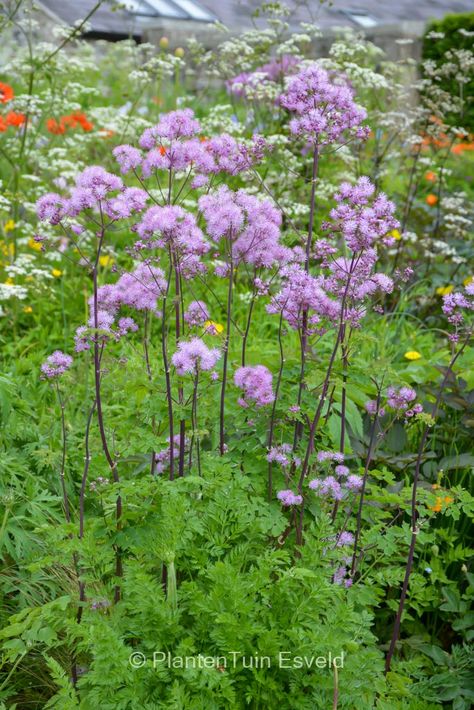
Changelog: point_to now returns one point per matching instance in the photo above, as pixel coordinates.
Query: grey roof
(236, 14)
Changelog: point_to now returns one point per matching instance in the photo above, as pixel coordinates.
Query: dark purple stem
(167, 375)
(272, 418)
(414, 513)
(226, 355)
(368, 461)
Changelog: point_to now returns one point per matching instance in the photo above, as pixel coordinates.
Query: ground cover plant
(237, 385)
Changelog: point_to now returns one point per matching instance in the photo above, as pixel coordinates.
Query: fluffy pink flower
(194, 355)
(256, 382)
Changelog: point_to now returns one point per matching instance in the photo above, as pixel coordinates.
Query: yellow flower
(395, 234)
(57, 273)
(9, 226)
(213, 328)
(469, 280)
(444, 290)
(448, 500)
(34, 245)
(6, 249)
(412, 355)
(9, 281)
(106, 260)
(27, 309)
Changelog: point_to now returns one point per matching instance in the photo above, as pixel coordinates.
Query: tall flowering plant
(191, 236)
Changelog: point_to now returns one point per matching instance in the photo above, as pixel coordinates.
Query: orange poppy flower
(6, 93)
(431, 200)
(54, 127)
(3, 125)
(430, 176)
(80, 118)
(162, 150)
(72, 121)
(461, 147)
(15, 119)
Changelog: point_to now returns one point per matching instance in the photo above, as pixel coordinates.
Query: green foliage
(210, 566)
(452, 36)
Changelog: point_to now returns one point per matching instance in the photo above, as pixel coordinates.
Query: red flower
(15, 119)
(81, 119)
(6, 93)
(73, 120)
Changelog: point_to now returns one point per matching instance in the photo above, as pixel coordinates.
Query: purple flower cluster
(275, 71)
(139, 289)
(371, 408)
(56, 365)
(302, 293)
(279, 454)
(325, 110)
(400, 399)
(173, 125)
(288, 498)
(327, 487)
(173, 227)
(456, 304)
(256, 383)
(344, 539)
(342, 573)
(196, 314)
(172, 144)
(362, 219)
(194, 355)
(252, 225)
(95, 189)
(162, 458)
(343, 482)
(336, 456)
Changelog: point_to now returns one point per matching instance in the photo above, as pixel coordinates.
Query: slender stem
(100, 416)
(309, 241)
(164, 351)
(272, 418)
(368, 461)
(247, 328)
(87, 460)
(340, 332)
(146, 337)
(304, 325)
(67, 512)
(195, 425)
(322, 399)
(226, 355)
(414, 513)
(177, 311)
(303, 344)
